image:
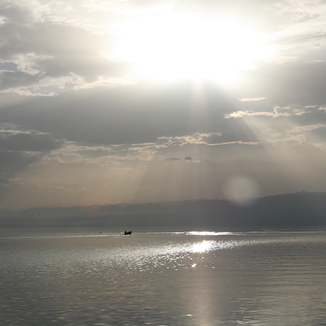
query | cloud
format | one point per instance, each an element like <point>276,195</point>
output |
<point>8,66</point>
<point>240,114</point>
<point>131,114</point>
<point>294,111</point>
<point>13,162</point>
<point>290,82</point>
<point>242,135</point>
<point>173,159</point>
<point>252,99</point>
<point>257,11</point>
<point>21,148</point>
<point>293,124</point>
<point>49,56</point>
<point>31,142</point>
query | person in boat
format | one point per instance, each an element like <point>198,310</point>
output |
<point>128,232</point>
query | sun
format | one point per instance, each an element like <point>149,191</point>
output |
<point>179,45</point>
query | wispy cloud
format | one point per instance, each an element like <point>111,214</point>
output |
<point>287,111</point>
<point>254,99</point>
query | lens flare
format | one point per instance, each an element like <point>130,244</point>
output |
<point>241,190</point>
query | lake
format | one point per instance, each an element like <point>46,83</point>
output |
<point>84,277</point>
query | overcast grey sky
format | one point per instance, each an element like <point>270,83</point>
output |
<point>126,101</point>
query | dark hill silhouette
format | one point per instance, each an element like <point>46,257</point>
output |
<point>298,210</point>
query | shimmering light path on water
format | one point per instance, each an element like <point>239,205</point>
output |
<point>194,278</point>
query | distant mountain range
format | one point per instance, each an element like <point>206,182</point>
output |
<point>298,210</point>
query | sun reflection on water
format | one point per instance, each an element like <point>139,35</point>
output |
<point>202,246</point>
<point>209,233</point>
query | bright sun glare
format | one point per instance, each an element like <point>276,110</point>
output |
<point>202,246</point>
<point>184,46</point>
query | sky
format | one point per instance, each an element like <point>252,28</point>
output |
<point>138,101</point>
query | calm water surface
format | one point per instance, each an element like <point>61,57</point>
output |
<point>195,278</point>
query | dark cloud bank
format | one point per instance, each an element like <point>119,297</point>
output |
<point>127,115</point>
<point>289,211</point>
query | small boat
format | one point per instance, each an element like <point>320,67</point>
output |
<point>128,232</point>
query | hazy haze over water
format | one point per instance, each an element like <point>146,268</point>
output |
<point>195,278</point>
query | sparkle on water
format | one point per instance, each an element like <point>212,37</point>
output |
<point>185,278</point>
